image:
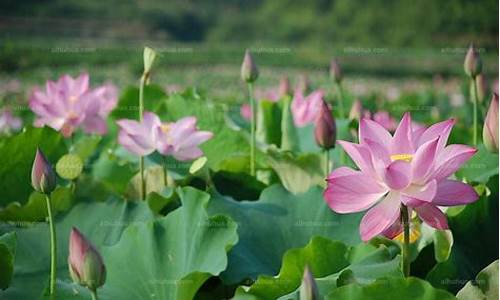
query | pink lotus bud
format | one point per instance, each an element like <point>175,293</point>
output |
<point>303,84</point>
<point>490,127</point>
<point>356,110</point>
<point>481,87</point>
<point>43,177</point>
<point>335,71</point>
<point>86,266</point>
<point>284,87</point>
<point>308,288</point>
<point>472,63</point>
<point>249,72</point>
<point>325,128</point>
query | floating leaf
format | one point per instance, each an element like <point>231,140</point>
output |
<point>485,286</point>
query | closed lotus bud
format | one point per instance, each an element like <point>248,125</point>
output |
<point>356,110</point>
<point>490,127</point>
<point>284,87</point>
<point>249,72</point>
<point>303,84</point>
<point>308,288</point>
<point>481,87</point>
<point>325,128</point>
<point>86,266</point>
<point>43,177</point>
<point>149,57</point>
<point>335,71</point>
<point>472,64</point>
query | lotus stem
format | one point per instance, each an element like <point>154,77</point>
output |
<point>141,159</point>
<point>341,100</point>
<point>165,171</point>
<point>405,219</point>
<point>252,129</point>
<point>474,101</point>
<point>94,294</point>
<point>327,162</point>
<point>53,247</point>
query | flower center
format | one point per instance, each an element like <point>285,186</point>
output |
<point>73,99</point>
<point>165,127</point>
<point>405,157</point>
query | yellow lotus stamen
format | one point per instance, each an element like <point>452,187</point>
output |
<point>165,127</point>
<point>414,233</point>
<point>405,157</point>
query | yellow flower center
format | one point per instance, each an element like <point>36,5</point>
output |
<point>165,127</point>
<point>73,99</point>
<point>405,157</point>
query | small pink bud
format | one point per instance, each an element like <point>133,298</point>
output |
<point>308,288</point>
<point>249,72</point>
<point>284,89</point>
<point>86,265</point>
<point>335,71</point>
<point>472,64</point>
<point>325,128</point>
<point>43,177</point>
<point>356,110</point>
<point>490,127</point>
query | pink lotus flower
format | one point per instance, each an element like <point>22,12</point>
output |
<point>8,122</point>
<point>85,263</point>
<point>385,119</point>
<point>306,109</point>
<point>410,167</point>
<point>68,104</point>
<point>180,139</point>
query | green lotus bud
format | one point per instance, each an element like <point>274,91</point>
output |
<point>149,57</point>
<point>325,130</point>
<point>249,72</point>
<point>86,265</point>
<point>356,110</point>
<point>335,71</point>
<point>490,127</point>
<point>481,87</point>
<point>308,288</point>
<point>43,177</point>
<point>472,64</point>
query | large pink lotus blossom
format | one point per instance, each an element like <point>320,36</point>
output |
<point>306,109</point>
<point>180,139</point>
<point>9,122</point>
<point>410,167</point>
<point>69,103</point>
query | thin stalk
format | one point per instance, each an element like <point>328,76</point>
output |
<point>474,100</point>
<point>327,162</point>
<point>53,247</point>
<point>252,129</point>
<point>141,159</point>
<point>165,171</point>
<point>405,219</point>
<point>341,100</point>
<point>94,294</point>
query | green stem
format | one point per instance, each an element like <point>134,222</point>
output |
<point>474,101</point>
<point>252,129</point>
<point>94,294</point>
<point>341,100</point>
<point>327,162</point>
<point>405,219</point>
<point>141,159</point>
<point>53,247</point>
<point>165,171</point>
